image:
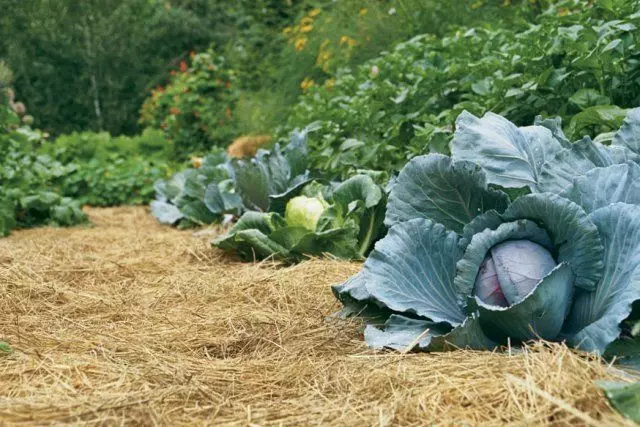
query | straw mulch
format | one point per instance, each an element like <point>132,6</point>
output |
<point>132,322</point>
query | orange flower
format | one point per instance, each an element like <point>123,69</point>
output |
<point>183,67</point>
<point>192,54</point>
<point>172,72</point>
<point>227,85</point>
<point>174,111</point>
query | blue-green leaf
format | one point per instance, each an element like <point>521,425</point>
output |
<point>539,315</point>
<point>601,187</point>
<point>411,270</point>
<point>574,236</point>
<point>165,212</point>
<point>512,157</point>
<point>595,318</point>
<point>629,134</point>
<point>560,170</point>
<point>448,193</point>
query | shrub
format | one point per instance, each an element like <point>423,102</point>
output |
<point>196,108</point>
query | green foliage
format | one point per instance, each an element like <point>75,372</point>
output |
<point>28,184</point>
<point>345,226</point>
<point>576,60</point>
<point>464,265</point>
<point>90,65</point>
<point>109,171</point>
<point>196,108</point>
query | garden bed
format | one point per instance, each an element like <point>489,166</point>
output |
<point>130,321</point>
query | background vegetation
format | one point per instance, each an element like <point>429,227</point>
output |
<point>125,92</point>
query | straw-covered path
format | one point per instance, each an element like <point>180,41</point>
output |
<point>129,321</point>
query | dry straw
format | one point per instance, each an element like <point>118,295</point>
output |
<point>131,322</point>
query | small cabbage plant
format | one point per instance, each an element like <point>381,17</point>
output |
<point>519,235</point>
<point>346,227</point>
<point>305,212</point>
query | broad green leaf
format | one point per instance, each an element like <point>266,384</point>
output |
<point>468,266</point>
<point>587,97</point>
<point>574,235</point>
<point>252,244</point>
<point>165,212</point>
<point>412,269</point>
<point>297,153</point>
<point>251,178</point>
<point>600,187</point>
<point>629,134</point>
<point>40,201</point>
<point>339,242</point>
<point>608,116</point>
<point>220,200</point>
<point>195,210</point>
<point>595,318</point>
<point>560,170</point>
<point>512,157</point>
<point>358,187</point>
<point>539,315</point>
<point>624,397</point>
<point>446,192</point>
<point>278,202</point>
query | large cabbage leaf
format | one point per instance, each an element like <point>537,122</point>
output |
<point>512,157</point>
<point>448,193</point>
<point>594,321</point>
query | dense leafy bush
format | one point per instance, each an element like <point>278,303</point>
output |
<point>29,182</point>
<point>576,61</point>
<point>196,108</point>
<point>108,171</point>
<point>467,265</point>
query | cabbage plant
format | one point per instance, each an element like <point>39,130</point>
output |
<point>222,186</point>
<point>346,226</point>
<point>519,235</point>
<point>197,196</point>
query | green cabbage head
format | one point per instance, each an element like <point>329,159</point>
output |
<point>519,235</point>
<point>303,211</point>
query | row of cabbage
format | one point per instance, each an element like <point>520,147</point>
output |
<point>281,210</point>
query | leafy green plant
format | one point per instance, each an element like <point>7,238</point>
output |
<point>28,182</point>
<point>576,62</point>
<point>223,186</point>
<point>519,235</point>
<point>198,196</point>
<point>105,171</point>
<point>196,108</point>
<point>345,227</point>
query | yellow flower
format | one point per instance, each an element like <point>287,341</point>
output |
<point>306,83</point>
<point>306,21</point>
<point>306,28</point>
<point>363,11</point>
<point>563,11</point>
<point>314,12</point>
<point>330,83</point>
<point>287,30</point>
<point>300,43</point>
